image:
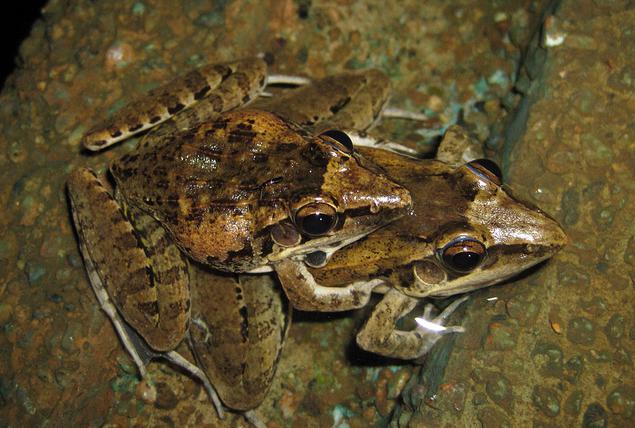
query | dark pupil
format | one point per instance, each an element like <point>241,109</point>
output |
<point>491,166</point>
<point>465,261</point>
<point>317,224</point>
<point>341,138</point>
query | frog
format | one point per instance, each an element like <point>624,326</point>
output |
<point>393,261</point>
<point>223,185</point>
<point>465,231</point>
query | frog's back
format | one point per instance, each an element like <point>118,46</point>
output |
<point>224,180</point>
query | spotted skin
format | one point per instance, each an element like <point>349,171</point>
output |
<point>219,187</point>
<point>239,325</point>
<point>212,89</point>
<point>219,180</point>
<point>451,202</point>
<point>143,272</point>
<point>349,100</point>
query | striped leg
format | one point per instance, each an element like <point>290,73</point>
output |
<point>222,86</point>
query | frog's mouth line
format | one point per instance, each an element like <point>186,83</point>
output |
<point>319,245</point>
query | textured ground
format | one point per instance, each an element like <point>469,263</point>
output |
<point>555,348</point>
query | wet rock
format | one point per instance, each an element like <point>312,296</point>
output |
<point>499,390</point>
<point>6,312</point>
<point>595,417</point>
<point>546,400</point>
<point>573,368</point>
<point>146,392</point>
<point>573,403</point>
<point>615,329</point>
<point>501,336</point>
<point>572,275</point>
<point>490,417</point>
<point>603,216</point>
<point>523,310</point>
<point>398,382</point>
<point>596,153</point>
<point>25,400</point>
<point>622,356</point>
<point>62,377</point>
<point>165,397</point>
<point>629,252</point>
<point>595,306</point>
<point>570,206</point>
<point>548,357</point>
<point>621,401</point>
<point>34,272</point>
<point>581,331</point>
<point>72,332</point>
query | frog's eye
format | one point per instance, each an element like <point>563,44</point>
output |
<point>463,254</point>
<point>487,169</point>
<point>341,137</point>
<point>316,219</point>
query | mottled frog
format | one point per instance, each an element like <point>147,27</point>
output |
<point>235,189</point>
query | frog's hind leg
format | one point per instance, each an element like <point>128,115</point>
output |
<point>381,336</point>
<point>148,305</point>
<point>457,147</point>
<point>218,87</point>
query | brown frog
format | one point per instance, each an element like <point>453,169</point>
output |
<point>235,189</point>
<point>465,231</point>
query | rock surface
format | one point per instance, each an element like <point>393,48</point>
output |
<point>554,349</point>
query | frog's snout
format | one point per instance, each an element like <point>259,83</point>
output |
<point>555,236</point>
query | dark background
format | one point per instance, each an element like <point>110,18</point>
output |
<point>16,19</point>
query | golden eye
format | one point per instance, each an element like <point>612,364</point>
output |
<point>316,218</point>
<point>463,254</point>
<point>487,169</point>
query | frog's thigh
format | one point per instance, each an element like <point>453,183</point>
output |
<point>364,107</point>
<point>239,325</point>
<point>306,294</point>
<point>149,286</point>
<point>238,89</point>
<point>181,93</point>
<point>457,147</point>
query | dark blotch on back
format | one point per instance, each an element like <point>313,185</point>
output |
<point>175,108</point>
<point>149,308</point>
<point>244,325</point>
<point>202,92</point>
<point>223,70</point>
<point>242,133</point>
<point>314,154</point>
<point>340,105</point>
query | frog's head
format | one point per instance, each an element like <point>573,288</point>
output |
<point>335,198</point>
<point>480,234</point>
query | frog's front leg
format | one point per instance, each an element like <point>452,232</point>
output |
<point>139,277</point>
<point>206,91</point>
<point>380,335</point>
<point>306,294</point>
